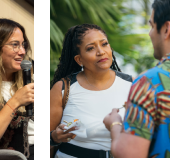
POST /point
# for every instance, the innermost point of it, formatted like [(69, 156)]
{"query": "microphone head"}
[(26, 65)]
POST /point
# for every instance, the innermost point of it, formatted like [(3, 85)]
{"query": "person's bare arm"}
[(56, 112), (56, 109), (6, 115), (125, 145), (129, 146), (22, 97)]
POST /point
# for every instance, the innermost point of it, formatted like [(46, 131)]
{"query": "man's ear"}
[(167, 32), (78, 60)]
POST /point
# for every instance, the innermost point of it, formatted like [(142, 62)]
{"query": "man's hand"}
[(112, 117), (125, 145)]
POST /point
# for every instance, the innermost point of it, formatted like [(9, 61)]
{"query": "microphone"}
[(26, 67)]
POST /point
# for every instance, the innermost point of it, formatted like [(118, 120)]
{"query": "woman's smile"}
[(18, 60)]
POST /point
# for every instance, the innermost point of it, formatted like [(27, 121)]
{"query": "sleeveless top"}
[(90, 107)]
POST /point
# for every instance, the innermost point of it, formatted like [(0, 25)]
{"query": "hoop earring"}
[(82, 68)]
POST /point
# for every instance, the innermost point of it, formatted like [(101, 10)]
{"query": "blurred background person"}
[(96, 85), (16, 129), (146, 127)]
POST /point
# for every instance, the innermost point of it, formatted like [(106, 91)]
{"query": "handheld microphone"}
[(26, 67)]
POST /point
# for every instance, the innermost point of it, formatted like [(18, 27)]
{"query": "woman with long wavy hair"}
[(16, 130)]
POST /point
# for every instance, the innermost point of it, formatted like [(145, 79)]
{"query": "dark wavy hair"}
[(161, 12), (73, 38)]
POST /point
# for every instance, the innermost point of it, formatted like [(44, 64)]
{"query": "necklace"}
[(95, 86)]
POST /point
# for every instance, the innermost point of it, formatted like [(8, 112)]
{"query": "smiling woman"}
[(13, 54), (96, 86), (14, 47)]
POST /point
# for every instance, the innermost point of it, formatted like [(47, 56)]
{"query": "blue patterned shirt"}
[(148, 108)]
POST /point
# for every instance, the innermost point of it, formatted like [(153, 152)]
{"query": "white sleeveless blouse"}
[(90, 107)]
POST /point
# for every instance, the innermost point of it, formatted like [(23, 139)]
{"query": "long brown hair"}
[(6, 29)]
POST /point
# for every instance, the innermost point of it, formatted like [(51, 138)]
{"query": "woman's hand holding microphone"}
[(22, 97)]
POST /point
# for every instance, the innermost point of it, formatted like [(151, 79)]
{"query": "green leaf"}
[(143, 134), (165, 66), (56, 38), (167, 154), (165, 81), (71, 7)]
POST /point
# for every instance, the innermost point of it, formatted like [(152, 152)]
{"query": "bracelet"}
[(52, 142), (114, 123), (10, 107)]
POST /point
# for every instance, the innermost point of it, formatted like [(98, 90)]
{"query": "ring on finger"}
[(68, 139)]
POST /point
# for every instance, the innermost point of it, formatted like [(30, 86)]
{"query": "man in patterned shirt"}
[(146, 127)]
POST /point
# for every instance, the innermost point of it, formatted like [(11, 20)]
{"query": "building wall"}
[(21, 12)]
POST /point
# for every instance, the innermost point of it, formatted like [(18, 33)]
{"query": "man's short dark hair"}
[(161, 12)]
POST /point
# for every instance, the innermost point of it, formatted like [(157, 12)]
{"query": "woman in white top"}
[(96, 86), (14, 126)]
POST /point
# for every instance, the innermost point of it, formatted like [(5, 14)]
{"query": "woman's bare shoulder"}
[(56, 109), (57, 87), (56, 95)]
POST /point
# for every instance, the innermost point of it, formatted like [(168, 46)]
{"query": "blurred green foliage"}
[(113, 16)]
